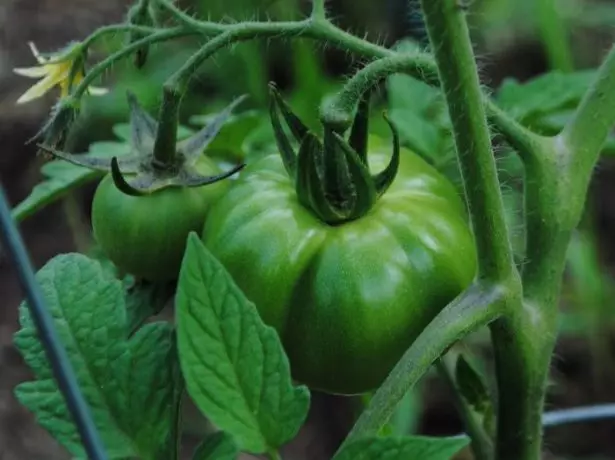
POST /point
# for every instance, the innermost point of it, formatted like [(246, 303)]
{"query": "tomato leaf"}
[(235, 367), (144, 299), (132, 386), (402, 448), (217, 446), (543, 95), (473, 388), (62, 176)]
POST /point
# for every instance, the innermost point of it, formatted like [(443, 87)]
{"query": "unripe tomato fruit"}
[(346, 300), (146, 235)]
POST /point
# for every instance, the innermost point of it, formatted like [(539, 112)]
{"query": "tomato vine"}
[(518, 302)]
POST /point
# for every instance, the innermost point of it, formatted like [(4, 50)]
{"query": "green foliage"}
[(402, 448), (235, 368), (543, 95), (60, 177), (132, 384), (473, 389), (217, 446), (144, 300)]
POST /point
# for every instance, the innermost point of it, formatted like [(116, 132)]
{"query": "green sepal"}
[(337, 181), (121, 183), (143, 126), (332, 178), (361, 186), (129, 165), (148, 182), (383, 180), (360, 128), (289, 158), (346, 194), (194, 146), (148, 175), (309, 180), (78, 66), (297, 127), (55, 130)]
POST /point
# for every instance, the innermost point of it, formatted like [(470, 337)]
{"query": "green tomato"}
[(346, 300), (146, 235)]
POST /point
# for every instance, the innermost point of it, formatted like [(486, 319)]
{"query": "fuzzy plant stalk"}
[(519, 304), (557, 172)]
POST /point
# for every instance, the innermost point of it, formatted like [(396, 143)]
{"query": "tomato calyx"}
[(332, 176), (147, 173)]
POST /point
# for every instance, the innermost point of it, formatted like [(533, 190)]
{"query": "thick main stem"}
[(524, 338), (448, 33)]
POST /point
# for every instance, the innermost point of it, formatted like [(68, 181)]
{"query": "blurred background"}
[(516, 42)]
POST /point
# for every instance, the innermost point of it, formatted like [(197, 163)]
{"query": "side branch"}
[(102, 66), (476, 307), (318, 10), (340, 109), (588, 129)]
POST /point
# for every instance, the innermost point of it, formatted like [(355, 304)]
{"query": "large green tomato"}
[(146, 235), (346, 300)]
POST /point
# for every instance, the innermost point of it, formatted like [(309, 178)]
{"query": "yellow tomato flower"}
[(53, 72)]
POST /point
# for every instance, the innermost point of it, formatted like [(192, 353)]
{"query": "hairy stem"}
[(523, 339), (477, 306), (587, 131), (114, 29), (239, 32), (448, 33), (208, 27), (103, 65), (339, 110), (522, 360), (166, 136), (318, 9), (554, 36)]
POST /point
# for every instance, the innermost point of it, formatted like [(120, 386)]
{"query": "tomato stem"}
[(474, 308), (318, 10), (587, 131), (449, 36), (102, 66), (166, 135), (554, 37)]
